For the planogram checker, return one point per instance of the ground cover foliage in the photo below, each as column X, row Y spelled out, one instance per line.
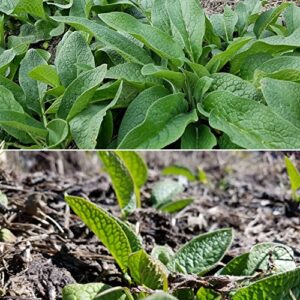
column 144, row 252
column 149, row 74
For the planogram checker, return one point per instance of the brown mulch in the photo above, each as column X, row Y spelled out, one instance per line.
column 246, row 191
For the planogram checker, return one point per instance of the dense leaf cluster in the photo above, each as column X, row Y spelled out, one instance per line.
column 148, row 74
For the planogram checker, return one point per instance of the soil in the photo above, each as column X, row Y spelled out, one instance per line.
column 248, row 191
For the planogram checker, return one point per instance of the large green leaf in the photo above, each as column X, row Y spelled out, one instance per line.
column 160, row 17
column 114, row 40
column 161, row 296
column 267, row 18
column 202, row 253
column 147, row 271
column 283, row 97
column 122, row 181
column 46, row 74
column 155, row 39
column 261, row 255
column 22, row 121
column 177, row 78
column 105, row 227
column 15, row 89
column 224, row 24
column 236, row 85
column 85, row 127
column 273, row 45
column 250, row 124
column 34, row 90
column 74, row 50
column 137, row 110
column 292, row 18
column 83, row 291
column 32, row 7
column 164, row 123
column 58, row 131
column 188, row 20
column 80, row 92
column 132, row 73
column 276, row 287
column 136, row 166
column 198, row 137
column 219, row 60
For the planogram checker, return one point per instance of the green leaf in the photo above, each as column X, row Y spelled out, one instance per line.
column 112, row 39
column 32, row 7
column 156, row 133
column 122, row 181
column 58, row 131
column 224, row 24
column 292, row 18
column 179, row 170
column 236, row 266
column 132, row 73
column 34, row 90
column 46, row 74
column 221, row 59
column 283, row 68
column 260, row 256
column 160, row 72
column 83, row 291
column 252, row 63
column 6, row 57
column 157, row 40
column 162, row 253
column 116, row 293
column 202, row 253
column 164, row 191
column 188, row 20
column 7, row 100
column 85, row 126
column 160, row 17
column 250, row 124
column 137, row 110
column 208, row 294
column 74, row 50
column 272, row 45
column 8, row 103
column 135, row 241
column 23, row 122
column 235, row 85
column 105, row 227
column 175, row 206
column 80, row 92
column 283, row 97
column 136, row 166
column 160, row 296
column 146, row 271
column 293, row 174
column 276, row 287
column 198, row 137
column 267, row 18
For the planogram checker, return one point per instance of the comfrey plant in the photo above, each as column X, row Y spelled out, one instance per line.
column 129, row 172
column 268, row 271
column 149, row 74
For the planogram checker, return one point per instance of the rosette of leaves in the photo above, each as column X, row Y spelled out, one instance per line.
column 148, row 74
